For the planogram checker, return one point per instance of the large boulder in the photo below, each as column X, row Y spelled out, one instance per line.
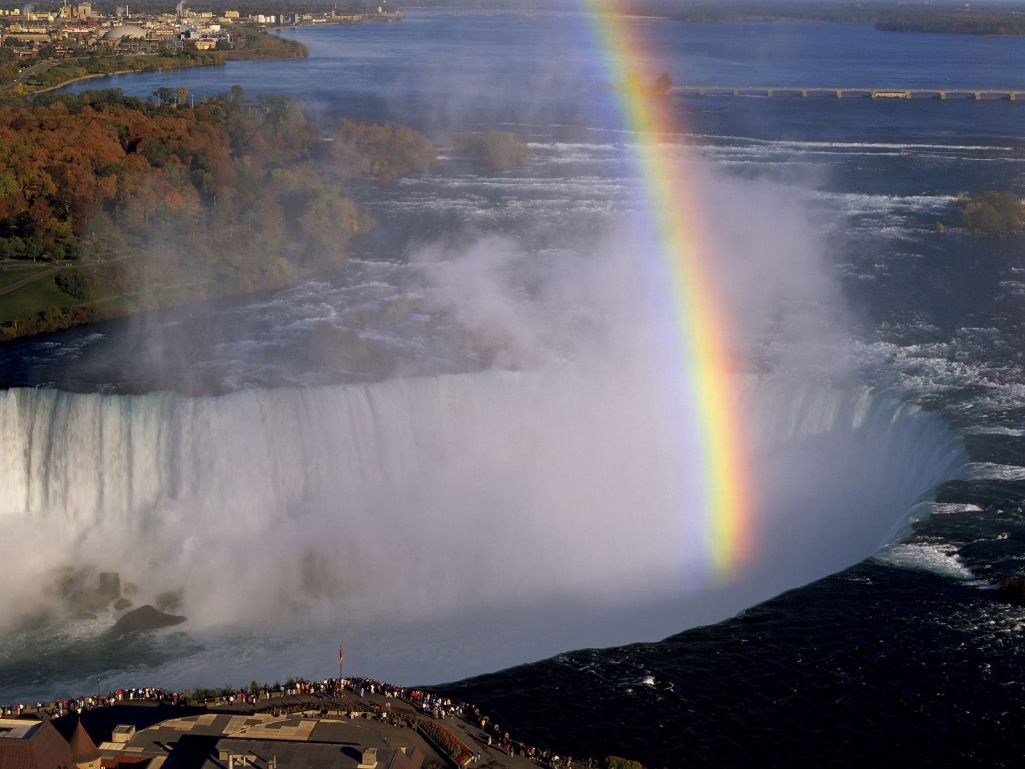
column 144, row 618
column 169, row 600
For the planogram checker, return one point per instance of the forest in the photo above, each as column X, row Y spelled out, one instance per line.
column 127, row 204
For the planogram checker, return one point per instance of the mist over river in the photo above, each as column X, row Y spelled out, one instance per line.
column 467, row 450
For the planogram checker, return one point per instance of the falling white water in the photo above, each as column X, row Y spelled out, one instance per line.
column 421, row 497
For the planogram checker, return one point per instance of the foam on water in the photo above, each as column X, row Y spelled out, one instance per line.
column 989, row 471
column 926, row 557
column 954, row 508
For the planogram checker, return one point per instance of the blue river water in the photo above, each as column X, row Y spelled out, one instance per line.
column 909, row 654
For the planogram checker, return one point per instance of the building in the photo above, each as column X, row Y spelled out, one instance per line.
column 33, row 745
column 83, row 749
column 79, row 11
column 263, row 741
column 127, row 36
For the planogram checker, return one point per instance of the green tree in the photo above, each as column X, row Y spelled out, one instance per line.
column 495, row 150
column 329, row 223
column 164, row 95
column 993, row 212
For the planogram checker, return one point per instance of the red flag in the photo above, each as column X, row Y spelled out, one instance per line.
column 341, row 657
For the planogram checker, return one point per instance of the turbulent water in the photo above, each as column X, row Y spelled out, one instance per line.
column 376, row 426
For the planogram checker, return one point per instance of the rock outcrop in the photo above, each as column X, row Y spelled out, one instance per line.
column 143, row 619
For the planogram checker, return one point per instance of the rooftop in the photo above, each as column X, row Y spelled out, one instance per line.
column 83, row 749
column 125, row 30
column 17, row 728
column 272, row 742
column 31, row 745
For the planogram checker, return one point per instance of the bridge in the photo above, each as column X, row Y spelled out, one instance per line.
column 943, row 93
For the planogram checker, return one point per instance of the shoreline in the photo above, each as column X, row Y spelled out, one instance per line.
column 98, row 75
column 369, row 19
column 219, row 58
column 92, row 312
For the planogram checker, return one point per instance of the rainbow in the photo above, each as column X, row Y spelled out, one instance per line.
column 700, row 327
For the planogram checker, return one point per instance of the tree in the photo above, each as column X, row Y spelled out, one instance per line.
column 495, row 150
column 164, row 95
column 993, row 212
column 329, row 223
column 384, row 152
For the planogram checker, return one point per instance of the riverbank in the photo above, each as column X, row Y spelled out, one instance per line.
column 50, row 310
column 386, row 17
column 97, row 75
column 251, row 45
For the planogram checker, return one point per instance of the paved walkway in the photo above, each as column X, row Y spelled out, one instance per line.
column 471, row 735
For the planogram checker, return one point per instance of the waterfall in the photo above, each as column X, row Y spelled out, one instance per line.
column 418, row 496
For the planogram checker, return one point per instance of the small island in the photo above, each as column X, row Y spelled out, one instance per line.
column 992, row 212
column 494, row 151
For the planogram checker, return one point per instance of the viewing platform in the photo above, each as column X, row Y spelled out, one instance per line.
column 942, row 94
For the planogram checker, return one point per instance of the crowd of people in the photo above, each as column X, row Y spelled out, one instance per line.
column 60, row 707
column 300, row 696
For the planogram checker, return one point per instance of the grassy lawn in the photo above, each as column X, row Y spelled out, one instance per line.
column 41, row 295
column 117, row 305
column 14, row 274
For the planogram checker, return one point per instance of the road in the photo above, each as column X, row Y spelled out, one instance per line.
column 35, row 69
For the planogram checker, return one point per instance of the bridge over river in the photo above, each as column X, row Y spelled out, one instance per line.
column 942, row 93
